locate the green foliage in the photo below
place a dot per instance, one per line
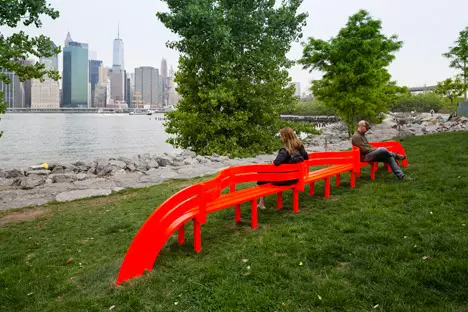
(19, 46)
(458, 56)
(232, 76)
(451, 89)
(421, 103)
(356, 82)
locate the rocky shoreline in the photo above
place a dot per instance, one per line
(36, 185)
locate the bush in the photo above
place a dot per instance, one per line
(311, 108)
(421, 103)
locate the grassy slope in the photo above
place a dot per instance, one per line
(361, 248)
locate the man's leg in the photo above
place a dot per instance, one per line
(395, 168)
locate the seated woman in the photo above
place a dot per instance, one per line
(292, 152)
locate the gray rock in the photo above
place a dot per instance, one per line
(31, 181)
(89, 182)
(188, 154)
(118, 164)
(215, 155)
(81, 176)
(79, 194)
(80, 164)
(190, 162)
(152, 163)
(6, 182)
(102, 171)
(126, 160)
(119, 172)
(43, 172)
(165, 161)
(15, 173)
(63, 178)
(58, 169)
(202, 160)
(3, 173)
(131, 167)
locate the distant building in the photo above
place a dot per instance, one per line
(50, 62)
(45, 94)
(117, 85)
(147, 85)
(118, 55)
(13, 92)
(94, 72)
(75, 75)
(297, 88)
(164, 83)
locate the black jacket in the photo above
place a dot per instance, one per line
(284, 157)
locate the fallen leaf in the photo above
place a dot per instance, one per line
(426, 257)
(112, 307)
(320, 298)
(245, 260)
(176, 303)
(376, 306)
(248, 268)
(70, 260)
(300, 263)
(30, 293)
(59, 298)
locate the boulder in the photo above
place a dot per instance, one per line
(165, 161)
(31, 181)
(15, 173)
(131, 167)
(43, 172)
(190, 162)
(3, 173)
(201, 159)
(102, 171)
(81, 176)
(63, 178)
(6, 182)
(188, 154)
(118, 164)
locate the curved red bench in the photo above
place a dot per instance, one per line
(195, 202)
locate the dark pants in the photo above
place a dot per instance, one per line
(383, 155)
(279, 183)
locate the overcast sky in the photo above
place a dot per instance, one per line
(427, 27)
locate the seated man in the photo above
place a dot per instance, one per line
(372, 154)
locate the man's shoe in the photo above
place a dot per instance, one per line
(400, 157)
(406, 178)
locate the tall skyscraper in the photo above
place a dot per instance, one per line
(117, 85)
(164, 86)
(147, 83)
(118, 57)
(13, 92)
(94, 71)
(68, 39)
(75, 75)
(51, 62)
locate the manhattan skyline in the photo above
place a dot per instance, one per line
(428, 29)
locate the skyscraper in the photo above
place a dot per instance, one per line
(118, 59)
(147, 83)
(68, 40)
(164, 87)
(117, 85)
(51, 62)
(13, 92)
(94, 71)
(75, 75)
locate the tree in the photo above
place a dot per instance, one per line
(451, 89)
(355, 83)
(232, 74)
(19, 46)
(458, 56)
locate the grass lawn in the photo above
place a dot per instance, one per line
(383, 246)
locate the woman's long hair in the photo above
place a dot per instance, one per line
(290, 140)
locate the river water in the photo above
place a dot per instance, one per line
(30, 139)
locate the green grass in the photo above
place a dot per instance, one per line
(361, 250)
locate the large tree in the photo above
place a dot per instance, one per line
(458, 55)
(19, 46)
(232, 75)
(355, 83)
(451, 89)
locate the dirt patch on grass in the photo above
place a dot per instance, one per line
(22, 216)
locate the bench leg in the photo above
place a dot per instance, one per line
(254, 214)
(279, 200)
(352, 179)
(196, 236)
(295, 200)
(338, 180)
(311, 188)
(237, 213)
(181, 235)
(359, 173)
(372, 171)
(327, 187)
(389, 169)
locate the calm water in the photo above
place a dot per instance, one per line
(30, 139)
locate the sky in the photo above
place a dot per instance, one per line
(427, 27)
